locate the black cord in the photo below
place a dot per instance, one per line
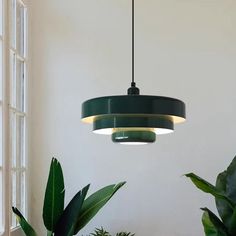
(133, 90)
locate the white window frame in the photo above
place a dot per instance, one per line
(7, 166)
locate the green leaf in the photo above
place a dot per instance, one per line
(212, 224)
(26, 227)
(226, 183)
(224, 209)
(232, 224)
(124, 234)
(54, 196)
(231, 180)
(209, 188)
(100, 232)
(67, 222)
(94, 203)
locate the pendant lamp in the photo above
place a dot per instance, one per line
(133, 118)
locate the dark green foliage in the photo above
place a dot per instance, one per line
(124, 234)
(94, 203)
(100, 232)
(26, 227)
(69, 221)
(54, 196)
(103, 232)
(224, 193)
(66, 223)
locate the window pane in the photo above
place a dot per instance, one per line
(1, 162)
(1, 203)
(1, 175)
(13, 79)
(20, 125)
(1, 73)
(13, 197)
(1, 17)
(13, 23)
(18, 163)
(22, 192)
(20, 85)
(13, 140)
(20, 34)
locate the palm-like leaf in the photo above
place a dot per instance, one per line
(67, 222)
(212, 224)
(225, 198)
(100, 232)
(209, 188)
(226, 183)
(26, 227)
(224, 209)
(78, 213)
(94, 203)
(54, 196)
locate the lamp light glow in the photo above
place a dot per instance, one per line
(133, 143)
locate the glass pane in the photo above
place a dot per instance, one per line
(22, 192)
(1, 202)
(13, 140)
(14, 194)
(13, 79)
(1, 75)
(20, 85)
(1, 17)
(1, 161)
(13, 23)
(1, 175)
(20, 29)
(20, 134)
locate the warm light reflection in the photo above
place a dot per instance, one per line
(109, 131)
(175, 119)
(133, 143)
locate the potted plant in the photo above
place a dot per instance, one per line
(69, 220)
(224, 192)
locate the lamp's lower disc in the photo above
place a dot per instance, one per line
(109, 124)
(134, 137)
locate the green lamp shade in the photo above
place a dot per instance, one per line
(133, 119)
(133, 137)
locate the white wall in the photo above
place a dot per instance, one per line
(185, 49)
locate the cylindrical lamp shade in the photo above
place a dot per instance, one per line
(133, 116)
(134, 137)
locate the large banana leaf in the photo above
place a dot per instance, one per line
(26, 227)
(226, 181)
(54, 196)
(209, 188)
(67, 222)
(231, 181)
(232, 224)
(94, 203)
(224, 209)
(212, 224)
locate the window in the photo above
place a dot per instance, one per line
(1, 153)
(17, 105)
(13, 113)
